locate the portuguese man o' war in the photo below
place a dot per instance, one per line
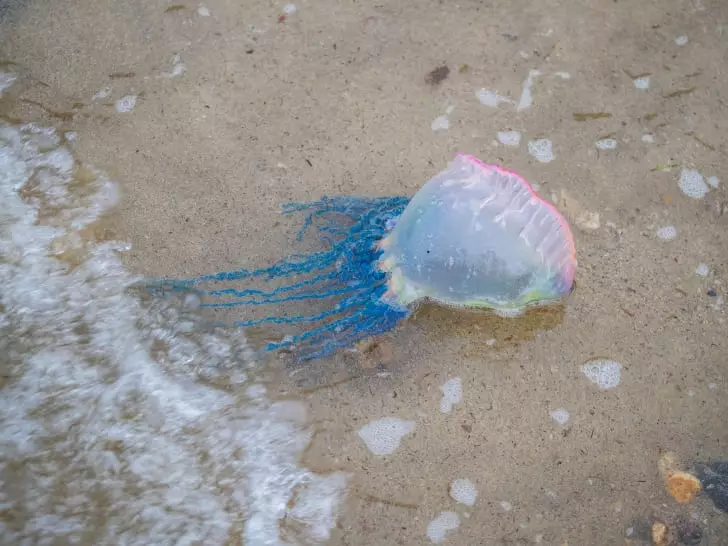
(474, 236)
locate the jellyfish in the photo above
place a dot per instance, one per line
(475, 236)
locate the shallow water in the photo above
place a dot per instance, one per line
(126, 420)
(121, 421)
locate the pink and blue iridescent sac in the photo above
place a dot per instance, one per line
(474, 236)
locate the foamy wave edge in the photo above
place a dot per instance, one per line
(114, 424)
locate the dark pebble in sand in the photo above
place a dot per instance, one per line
(712, 293)
(689, 532)
(714, 478)
(437, 75)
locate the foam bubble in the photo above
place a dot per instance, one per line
(606, 374)
(509, 138)
(542, 150)
(126, 104)
(681, 40)
(606, 144)
(702, 270)
(290, 9)
(507, 506)
(452, 393)
(463, 491)
(642, 83)
(667, 233)
(178, 67)
(440, 123)
(102, 93)
(443, 524)
(561, 416)
(713, 181)
(6, 80)
(692, 184)
(203, 11)
(648, 138)
(526, 99)
(382, 437)
(491, 98)
(112, 394)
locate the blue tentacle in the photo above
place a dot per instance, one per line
(345, 269)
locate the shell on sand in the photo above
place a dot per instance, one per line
(681, 485)
(478, 236)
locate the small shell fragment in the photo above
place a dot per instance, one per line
(681, 485)
(660, 534)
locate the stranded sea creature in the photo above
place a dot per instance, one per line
(474, 236)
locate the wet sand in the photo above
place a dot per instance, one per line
(334, 99)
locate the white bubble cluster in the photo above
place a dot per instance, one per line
(561, 416)
(642, 83)
(702, 270)
(443, 524)
(178, 67)
(6, 80)
(126, 104)
(102, 93)
(542, 150)
(667, 233)
(509, 138)
(693, 184)
(452, 393)
(526, 99)
(606, 144)
(382, 437)
(491, 98)
(606, 374)
(463, 491)
(440, 123)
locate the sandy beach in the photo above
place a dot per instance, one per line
(211, 115)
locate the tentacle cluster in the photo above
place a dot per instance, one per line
(346, 271)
